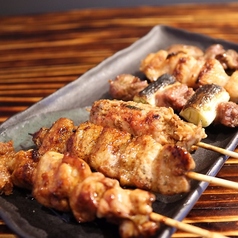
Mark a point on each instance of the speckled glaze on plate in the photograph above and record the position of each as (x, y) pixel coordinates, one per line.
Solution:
(28, 218)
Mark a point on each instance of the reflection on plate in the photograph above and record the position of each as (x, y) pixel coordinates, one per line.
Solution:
(28, 218)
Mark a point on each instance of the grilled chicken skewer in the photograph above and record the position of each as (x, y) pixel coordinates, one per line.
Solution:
(135, 161)
(209, 103)
(194, 68)
(167, 92)
(67, 184)
(112, 152)
(143, 119)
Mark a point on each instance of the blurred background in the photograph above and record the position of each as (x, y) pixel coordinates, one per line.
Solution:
(19, 7)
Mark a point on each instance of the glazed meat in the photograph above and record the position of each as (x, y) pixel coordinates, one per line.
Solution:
(63, 129)
(55, 177)
(212, 72)
(143, 119)
(6, 154)
(23, 168)
(16, 168)
(157, 64)
(66, 183)
(184, 61)
(232, 87)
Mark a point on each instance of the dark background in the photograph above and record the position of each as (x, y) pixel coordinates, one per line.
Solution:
(18, 7)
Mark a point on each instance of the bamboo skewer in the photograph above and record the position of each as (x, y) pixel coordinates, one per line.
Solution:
(210, 179)
(218, 149)
(190, 228)
(184, 226)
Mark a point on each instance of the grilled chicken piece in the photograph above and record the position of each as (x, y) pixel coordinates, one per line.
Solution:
(55, 177)
(22, 169)
(212, 72)
(160, 63)
(16, 168)
(63, 129)
(187, 70)
(178, 59)
(143, 119)
(228, 58)
(125, 86)
(6, 154)
(227, 114)
(66, 183)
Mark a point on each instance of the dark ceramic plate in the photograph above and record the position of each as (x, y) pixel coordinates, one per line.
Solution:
(28, 218)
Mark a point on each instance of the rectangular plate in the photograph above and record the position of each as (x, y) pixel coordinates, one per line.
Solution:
(28, 218)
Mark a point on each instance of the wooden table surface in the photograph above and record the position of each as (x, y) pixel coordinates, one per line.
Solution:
(41, 53)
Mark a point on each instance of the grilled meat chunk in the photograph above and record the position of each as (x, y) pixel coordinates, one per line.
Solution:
(125, 86)
(227, 114)
(140, 119)
(6, 154)
(55, 177)
(46, 140)
(66, 183)
(16, 168)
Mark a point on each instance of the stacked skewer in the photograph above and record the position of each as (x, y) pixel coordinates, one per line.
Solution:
(117, 133)
(55, 139)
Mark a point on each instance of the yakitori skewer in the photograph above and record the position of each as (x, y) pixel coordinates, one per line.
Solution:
(210, 103)
(194, 69)
(137, 161)
(65, 183)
